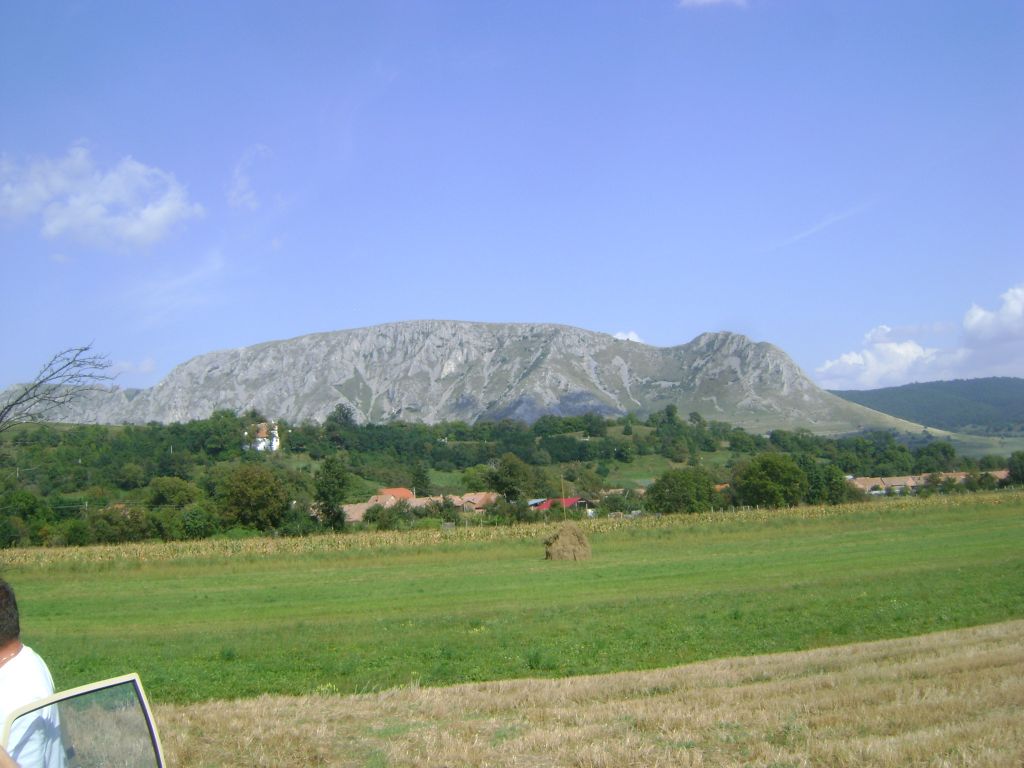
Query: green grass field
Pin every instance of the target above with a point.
(977, 446)
(656, 593)
(642, 471)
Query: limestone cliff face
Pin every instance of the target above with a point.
(433, 371)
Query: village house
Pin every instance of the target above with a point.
(877, 486)
(388, 497)
(265, 438)
(545, 505)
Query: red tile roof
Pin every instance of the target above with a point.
(398, 493)
(566, 503)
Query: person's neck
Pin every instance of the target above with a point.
(9, 650)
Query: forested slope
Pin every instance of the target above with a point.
(990, 405)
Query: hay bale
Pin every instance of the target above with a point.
(568, 543)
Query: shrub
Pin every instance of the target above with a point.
(198, 522)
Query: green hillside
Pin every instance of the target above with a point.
(992, 405)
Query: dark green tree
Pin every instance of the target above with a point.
(992, 461)
(681, 490)
(511, 477)
(13, 531)
(198, 522)
(826, 484)
(130, 475)
(476, 478)
(252, 495)
(938, 456)
(340, 425)
(221, 435)
(1016, 466)
(420, 480)
(594, 425)
(769, 480)
(172, 491)
(332, 482)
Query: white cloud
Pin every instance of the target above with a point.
(628, 336)
(881, 363)
(129, 204)
(991, 343)
(142, 367)
(241, 193)
(878, 335)
(1007, 322)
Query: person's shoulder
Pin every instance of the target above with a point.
(26, 654)
(31, 665)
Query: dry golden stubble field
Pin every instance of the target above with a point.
(946, 699)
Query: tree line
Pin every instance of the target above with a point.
(74, 485)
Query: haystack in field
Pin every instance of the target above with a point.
(568, 543)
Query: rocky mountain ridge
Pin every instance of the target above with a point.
(432, 371)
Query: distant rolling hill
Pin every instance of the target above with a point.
(992, 405)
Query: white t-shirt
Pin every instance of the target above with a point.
(34, 741)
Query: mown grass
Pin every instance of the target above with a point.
(938, 700)
(240, 619)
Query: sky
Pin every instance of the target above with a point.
(841, 178)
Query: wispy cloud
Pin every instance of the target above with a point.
(159, 299)
(241, 192)
(628, 336)
(990, 343)
(129, 204)
(821, 225)
(141, 368)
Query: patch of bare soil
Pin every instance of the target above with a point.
(947, 699)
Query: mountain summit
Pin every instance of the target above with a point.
(433, 370)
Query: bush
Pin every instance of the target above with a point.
(236, 533)
(399, 516)
(77, 533)
(505, 512)
(618, 503)
(172, 491)
(14, 532)
(118, 523)
(198, 522)
(444, 509)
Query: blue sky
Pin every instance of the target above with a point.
(844, 180)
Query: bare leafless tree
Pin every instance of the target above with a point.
(69, 374)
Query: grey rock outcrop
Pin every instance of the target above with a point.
(432, 371)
